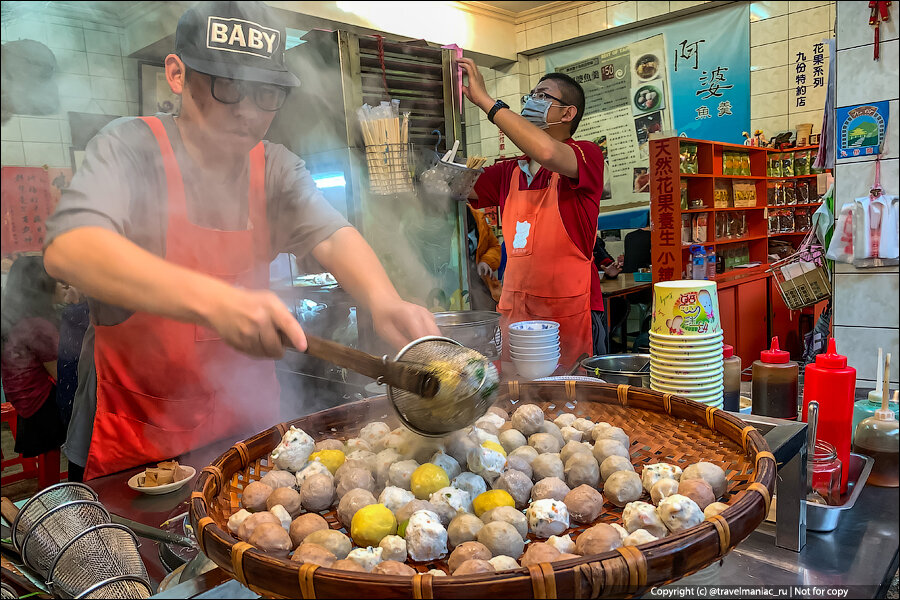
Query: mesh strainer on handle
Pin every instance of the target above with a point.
(468, 383)
(44, 501)
(55, 529)
(102, 562)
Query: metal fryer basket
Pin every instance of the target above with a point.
(57, 527)
(102, 562)
(43, 502)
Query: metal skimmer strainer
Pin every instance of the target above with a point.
(102, 562)
(56, 528)
(45, 501)
(468, 384)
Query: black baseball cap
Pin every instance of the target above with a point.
(238, 40)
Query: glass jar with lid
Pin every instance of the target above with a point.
(826, 477)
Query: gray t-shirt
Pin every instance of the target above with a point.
(121, 186)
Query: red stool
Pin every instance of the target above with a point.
(45, 466)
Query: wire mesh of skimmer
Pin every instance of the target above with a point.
(56, 528)
(102, 562)
(44, 501)
(468, 386)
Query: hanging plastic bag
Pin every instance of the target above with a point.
(841, 247)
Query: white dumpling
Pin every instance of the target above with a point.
(283, 515)
(313, 468)
(366, 558)
(679, 513)
(504, 563)
(565, 544)
(354, 444)
(570, 434)
(293, 451)
(426, 538)
(512, 439)
(583, 425)
(401, 472)
(450, 502)
(374, 434)
(547, 517)
(235, 520)
(642, 515)
(492, 418)
(383, 462)
(447, 463)
(469, 482)
(653, 473)
(638, 537)
(393, 548)
(486, 462)
(395, 498)
(622, 487)
(564, 420)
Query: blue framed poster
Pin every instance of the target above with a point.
(861, 129)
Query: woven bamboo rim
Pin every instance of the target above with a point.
(662, 427)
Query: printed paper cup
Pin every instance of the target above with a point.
(664, 338)
(686, 369)
(685, 390)
(686, 308)
(686, 357)
(690, 379)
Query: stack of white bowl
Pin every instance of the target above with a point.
(534, 348)
(686, 341)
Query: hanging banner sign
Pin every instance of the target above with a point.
(860, 129)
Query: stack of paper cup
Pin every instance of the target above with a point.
(534, 347)
(686, 341)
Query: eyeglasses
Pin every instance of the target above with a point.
(266, 96)
(542, 96)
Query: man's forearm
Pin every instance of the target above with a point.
(347, 256)
(114, 270)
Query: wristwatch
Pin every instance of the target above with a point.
(497, 106)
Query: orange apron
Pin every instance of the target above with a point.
(164, 387)
(547, 276)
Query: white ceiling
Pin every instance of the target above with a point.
(515, 6)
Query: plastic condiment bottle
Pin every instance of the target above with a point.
(879, 437)
(865, 408)
(830, 381)
(732, 396)
(775, 384)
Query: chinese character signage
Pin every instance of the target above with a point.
(28, 198)
(693, 78)
(861, 129)
(666, 238)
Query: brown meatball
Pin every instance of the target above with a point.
(286, 497)
(473, 566)
(584, 503)
(351, 502)
(315, 554)
(565, 556)
(538, 553)
(463, 528)
(517, 484)
(255, 520)
(317, 492)
(549, 487)
(348, 565)
(332, 540)
(501, 538)
(255, 495)
(582, 469)
(514, 517)
(697, 490)
(547, 465)
(623, 487)
(467, 551)
(329, 444)
(613, 464)
(597, 540)
(517, 463)
(304, 525)
(545, 443)
(393, 567)
(277, 479)
(352, 478)
(713, 474)
(270, 537)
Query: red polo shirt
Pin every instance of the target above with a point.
(579, 198)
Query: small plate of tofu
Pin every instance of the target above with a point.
(165, 477)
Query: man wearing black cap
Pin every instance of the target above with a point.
(169, 227)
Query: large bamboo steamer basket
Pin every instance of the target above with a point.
(662, 428)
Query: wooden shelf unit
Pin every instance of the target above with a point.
(670, 255)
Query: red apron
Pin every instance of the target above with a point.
(164, 387)
(547, 277)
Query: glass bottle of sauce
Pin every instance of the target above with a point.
(732, 396)
(776, 383)
(879, 437)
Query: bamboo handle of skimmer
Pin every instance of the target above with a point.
(9, 510)
(392, 373)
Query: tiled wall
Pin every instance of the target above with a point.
(778, 30)
(865, 300)
(93, 77)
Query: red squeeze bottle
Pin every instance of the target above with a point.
(833, 384)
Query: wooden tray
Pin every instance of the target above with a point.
(662, 428)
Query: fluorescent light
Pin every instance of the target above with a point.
(329, 180)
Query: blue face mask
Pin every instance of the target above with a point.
(535, 112)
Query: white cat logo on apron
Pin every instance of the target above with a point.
(523, 228)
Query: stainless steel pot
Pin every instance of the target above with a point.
(630, 369)
(475, 329)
